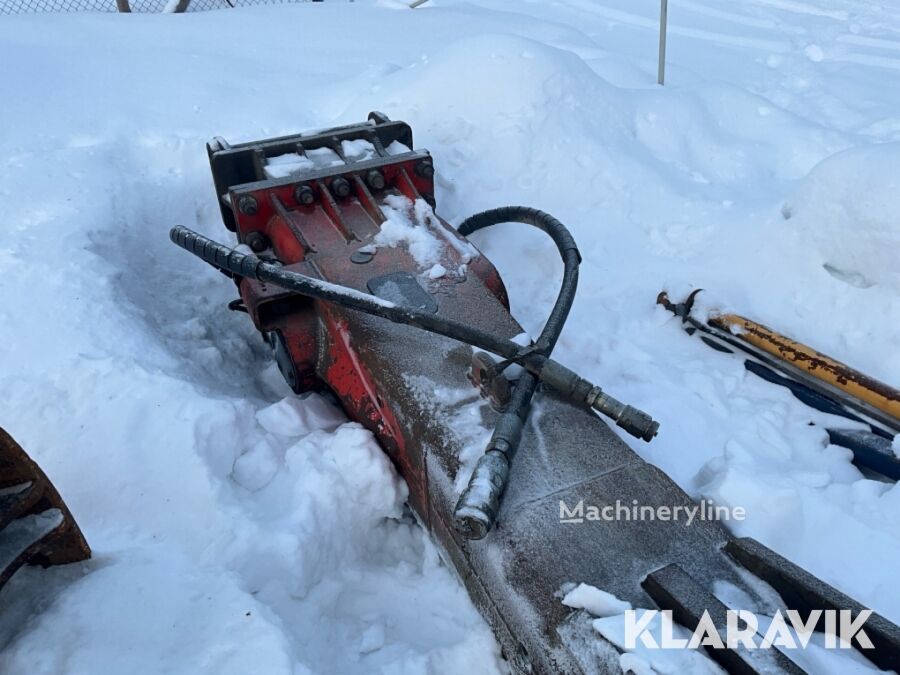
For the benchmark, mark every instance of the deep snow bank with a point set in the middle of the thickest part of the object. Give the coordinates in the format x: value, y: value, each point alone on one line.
x: 846, y: 209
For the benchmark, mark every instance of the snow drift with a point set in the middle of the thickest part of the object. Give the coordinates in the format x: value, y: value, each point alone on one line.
x: 846, y: 208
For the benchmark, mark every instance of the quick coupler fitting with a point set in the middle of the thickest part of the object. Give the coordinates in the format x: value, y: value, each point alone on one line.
x: 636, y: 422
x: 479, y: 503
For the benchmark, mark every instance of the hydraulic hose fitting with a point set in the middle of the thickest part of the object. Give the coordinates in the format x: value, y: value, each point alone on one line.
x: 636, y: 422
x: 479, y: 503
x: 578, y: 390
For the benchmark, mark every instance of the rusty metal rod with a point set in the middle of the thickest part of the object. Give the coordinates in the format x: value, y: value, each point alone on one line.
x: 819, y: 365
x: 858, y: 390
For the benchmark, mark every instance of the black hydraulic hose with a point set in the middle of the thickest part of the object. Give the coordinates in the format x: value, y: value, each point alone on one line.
x: 479, y: 503
x: 533, y: 358
x: 247, y: 265
x: 568, y: 251
x: 551, y: 373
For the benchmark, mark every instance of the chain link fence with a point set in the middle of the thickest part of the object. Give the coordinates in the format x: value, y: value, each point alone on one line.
x: 31, y: 6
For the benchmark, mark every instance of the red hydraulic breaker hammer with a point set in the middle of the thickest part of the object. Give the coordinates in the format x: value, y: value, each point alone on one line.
x: 362, y: 290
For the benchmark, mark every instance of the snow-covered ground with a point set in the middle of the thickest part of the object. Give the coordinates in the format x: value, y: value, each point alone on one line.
x: 237, y: 529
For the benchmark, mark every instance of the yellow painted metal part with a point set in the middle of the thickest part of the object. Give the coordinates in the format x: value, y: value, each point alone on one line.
x: 823, y: 367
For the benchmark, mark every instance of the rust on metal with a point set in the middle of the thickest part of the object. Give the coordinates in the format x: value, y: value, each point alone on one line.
x: 36, y: 527
x: 824, y: 368
x: 391, y: 379
x: 821, y: 366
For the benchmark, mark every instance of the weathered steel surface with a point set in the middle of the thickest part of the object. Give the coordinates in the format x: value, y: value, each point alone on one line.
x: 820, y: 371
x: 410, y: 389
x: 36, y: 527
x: 874, y: 392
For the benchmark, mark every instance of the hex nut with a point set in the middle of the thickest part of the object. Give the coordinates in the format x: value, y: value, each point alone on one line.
x: 425, y: 169
x: 340, y: 186
x: 304, y: 195
x: 257, y: 241
x: 375, y: 179
x: 247, y: 205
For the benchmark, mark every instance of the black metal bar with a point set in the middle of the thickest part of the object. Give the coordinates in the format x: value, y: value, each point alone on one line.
x: 674, y: 589
x: 802, y: 591
x: 871, y: 451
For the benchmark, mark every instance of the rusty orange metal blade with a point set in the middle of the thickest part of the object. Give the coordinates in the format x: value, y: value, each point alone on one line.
x: 36, y: 527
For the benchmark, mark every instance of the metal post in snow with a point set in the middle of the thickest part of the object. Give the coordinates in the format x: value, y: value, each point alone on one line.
x: 663, y: 20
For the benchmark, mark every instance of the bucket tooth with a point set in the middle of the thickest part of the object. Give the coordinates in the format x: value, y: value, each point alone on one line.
x: 36, y: 527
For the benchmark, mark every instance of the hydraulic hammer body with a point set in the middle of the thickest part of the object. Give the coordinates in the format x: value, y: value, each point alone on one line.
x: 353, y: 207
